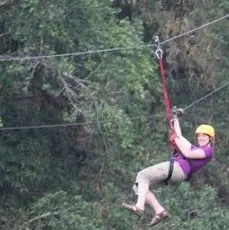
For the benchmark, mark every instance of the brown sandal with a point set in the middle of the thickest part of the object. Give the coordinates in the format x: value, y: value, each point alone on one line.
x: 159, y: 217
x: 132, y: 208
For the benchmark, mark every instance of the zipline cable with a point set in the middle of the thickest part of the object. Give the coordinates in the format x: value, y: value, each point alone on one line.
x: 5, y: 59
x: 108, y: 50
x: 195, y: 29
x: 207, y: 95
x: 106, y: 121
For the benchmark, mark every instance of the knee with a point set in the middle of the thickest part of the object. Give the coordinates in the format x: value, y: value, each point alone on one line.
x: 135, y: 188
x: 142, y: 177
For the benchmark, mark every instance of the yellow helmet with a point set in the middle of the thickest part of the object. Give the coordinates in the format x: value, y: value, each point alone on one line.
x: 206, y: 129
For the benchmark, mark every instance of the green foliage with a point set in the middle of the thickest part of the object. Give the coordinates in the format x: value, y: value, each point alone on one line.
x: 75, y: 177
x: 61, y: 210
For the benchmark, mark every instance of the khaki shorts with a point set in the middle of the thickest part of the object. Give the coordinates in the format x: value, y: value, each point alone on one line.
x: 158, y: 173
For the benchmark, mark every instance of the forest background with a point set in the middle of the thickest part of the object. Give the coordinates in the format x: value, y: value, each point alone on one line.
x: 68, y: 177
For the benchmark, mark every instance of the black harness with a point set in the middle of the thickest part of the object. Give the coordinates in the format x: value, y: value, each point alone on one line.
x: 170, y: 172
x: 171, y: 166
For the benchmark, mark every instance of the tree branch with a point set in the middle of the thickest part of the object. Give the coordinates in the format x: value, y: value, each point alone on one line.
x: 2, y: 35
x: 72, y: 96
x: 4, y: 3
x: 47, y: 214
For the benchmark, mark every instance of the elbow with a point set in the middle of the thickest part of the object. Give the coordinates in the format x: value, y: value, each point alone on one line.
x: 186, y: 153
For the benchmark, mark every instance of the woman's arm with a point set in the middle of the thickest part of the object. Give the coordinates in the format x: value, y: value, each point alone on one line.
x: 185, y: 148
x: 177, y: 129
x: 184, y: 145
x: 176, y: 126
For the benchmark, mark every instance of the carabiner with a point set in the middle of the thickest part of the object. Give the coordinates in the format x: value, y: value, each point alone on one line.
x: 159, y: 53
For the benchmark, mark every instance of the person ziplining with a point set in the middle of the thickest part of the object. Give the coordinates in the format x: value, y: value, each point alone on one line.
x: 186, y: 161
x: 186, y: 158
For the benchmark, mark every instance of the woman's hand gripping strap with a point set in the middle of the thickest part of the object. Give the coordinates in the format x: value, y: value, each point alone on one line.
x: 175, y: 129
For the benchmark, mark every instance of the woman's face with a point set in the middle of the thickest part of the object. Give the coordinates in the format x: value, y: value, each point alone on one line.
x: 203, y: 139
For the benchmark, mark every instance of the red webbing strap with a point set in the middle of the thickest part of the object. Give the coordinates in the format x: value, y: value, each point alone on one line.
x: 165, y: 92
x: 159, y: 54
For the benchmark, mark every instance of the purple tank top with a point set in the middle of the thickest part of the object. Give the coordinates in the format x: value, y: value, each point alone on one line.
x: 192, y: 165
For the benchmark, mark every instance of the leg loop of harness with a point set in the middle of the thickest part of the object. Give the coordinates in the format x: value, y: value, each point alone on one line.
x: 170, y: 172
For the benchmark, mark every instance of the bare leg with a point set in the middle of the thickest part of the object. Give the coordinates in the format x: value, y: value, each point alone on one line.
x: 152, y: 176
x: 144, y: 178
x: 143, y: 189
x: 146, y: 196
x: 154, y: 203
